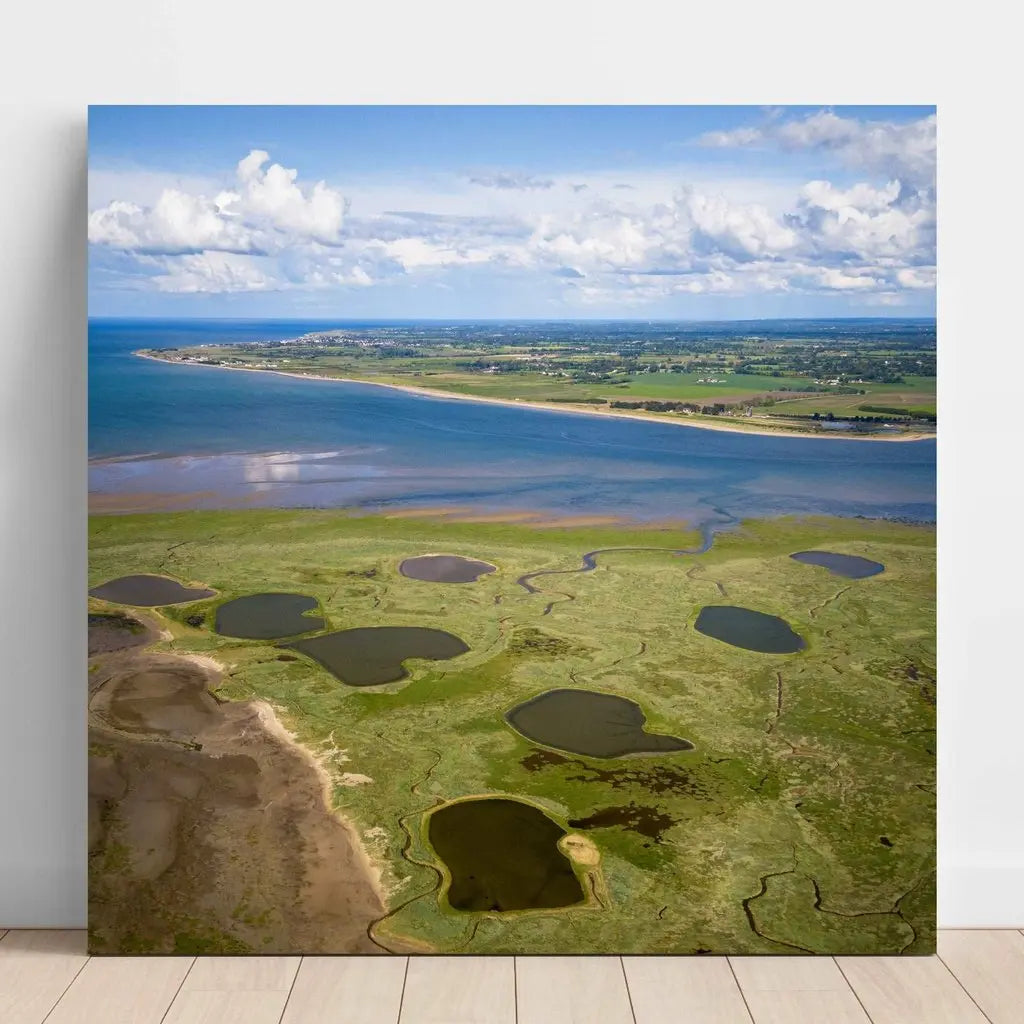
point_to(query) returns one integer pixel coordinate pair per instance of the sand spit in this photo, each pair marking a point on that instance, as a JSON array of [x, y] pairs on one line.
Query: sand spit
[[210, 827], [566, 407]]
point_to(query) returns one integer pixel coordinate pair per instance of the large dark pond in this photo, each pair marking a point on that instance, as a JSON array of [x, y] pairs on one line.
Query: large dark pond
[[753, 631], [268, 616], [503, 855], [590, 723], [148, 591], [445, 568], [373, 655], [851, 566]]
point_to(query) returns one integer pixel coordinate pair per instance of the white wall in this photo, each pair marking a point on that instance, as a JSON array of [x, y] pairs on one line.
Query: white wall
[[60, 56]]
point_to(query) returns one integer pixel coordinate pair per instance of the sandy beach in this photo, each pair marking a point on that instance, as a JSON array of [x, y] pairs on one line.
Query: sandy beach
[[580, 410]]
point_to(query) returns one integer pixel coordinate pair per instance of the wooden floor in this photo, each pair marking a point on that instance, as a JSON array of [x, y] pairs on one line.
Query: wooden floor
[[46, 976]]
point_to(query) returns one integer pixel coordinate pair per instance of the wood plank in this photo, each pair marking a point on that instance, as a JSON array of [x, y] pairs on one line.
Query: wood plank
[[571, 990], [234, 990], [36, 968], [459, 990], [990, 965], [895, 990], [699, 989], [242, 974], [796, 989], [122, 990], [356, 990], [206, 1006]]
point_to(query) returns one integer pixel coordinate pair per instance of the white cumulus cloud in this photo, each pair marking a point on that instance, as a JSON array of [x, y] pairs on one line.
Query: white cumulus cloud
[[266, 209], [901, 149]]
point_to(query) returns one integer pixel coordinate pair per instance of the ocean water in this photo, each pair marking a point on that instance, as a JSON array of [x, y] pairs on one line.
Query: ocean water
[[207, 437]]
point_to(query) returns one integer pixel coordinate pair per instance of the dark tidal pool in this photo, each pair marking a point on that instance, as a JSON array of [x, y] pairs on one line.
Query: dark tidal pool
[[373, 655], [753, 631], [116, 632], [445, 568], [148, 591], [268, 616], [853, 567], [590, 723], [503, 855]]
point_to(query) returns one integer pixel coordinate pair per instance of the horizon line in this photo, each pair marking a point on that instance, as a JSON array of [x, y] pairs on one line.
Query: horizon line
[[528, 319]]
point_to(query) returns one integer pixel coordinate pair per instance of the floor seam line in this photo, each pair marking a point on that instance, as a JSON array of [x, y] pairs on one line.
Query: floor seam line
[[515, 988], [849, 985], [629, 995], [65, 992], [964, 987], [401, 998], [291, 989], [743, 995], [177, 991]]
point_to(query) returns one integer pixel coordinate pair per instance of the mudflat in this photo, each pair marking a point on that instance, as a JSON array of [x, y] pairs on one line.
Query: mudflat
[[209, 828]]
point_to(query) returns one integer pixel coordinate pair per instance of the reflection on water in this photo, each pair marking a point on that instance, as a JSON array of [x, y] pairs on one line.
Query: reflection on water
[[220, 438]]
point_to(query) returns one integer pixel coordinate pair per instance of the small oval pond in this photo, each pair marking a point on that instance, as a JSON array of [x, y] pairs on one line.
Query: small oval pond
[[148, 591], [590, 723], [502, 855], [853, 567], [445, 568], [753, 631], [373, 655], [268, 616]]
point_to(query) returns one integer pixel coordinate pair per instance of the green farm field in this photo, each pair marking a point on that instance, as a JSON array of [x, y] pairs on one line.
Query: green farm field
[[802, 820]]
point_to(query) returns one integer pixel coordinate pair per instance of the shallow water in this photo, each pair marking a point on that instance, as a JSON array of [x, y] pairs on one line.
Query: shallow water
[[502, 855], [373, 655], [590, 723], [445, 568], [853, 567], [268, 616], [746, 628], [146, 591], [200, 437]]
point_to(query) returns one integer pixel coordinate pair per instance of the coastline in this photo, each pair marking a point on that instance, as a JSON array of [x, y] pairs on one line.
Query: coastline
[[558, 407], [332, 885]]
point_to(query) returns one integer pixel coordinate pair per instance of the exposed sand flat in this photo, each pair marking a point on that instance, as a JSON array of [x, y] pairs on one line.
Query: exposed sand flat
[[566, 407], [145, 501], [211, 829]]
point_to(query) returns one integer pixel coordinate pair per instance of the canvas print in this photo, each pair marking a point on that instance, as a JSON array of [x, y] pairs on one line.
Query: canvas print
[[512, 530]]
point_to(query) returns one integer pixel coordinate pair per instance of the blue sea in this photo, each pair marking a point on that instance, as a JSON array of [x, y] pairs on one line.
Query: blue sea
[[180, 436]]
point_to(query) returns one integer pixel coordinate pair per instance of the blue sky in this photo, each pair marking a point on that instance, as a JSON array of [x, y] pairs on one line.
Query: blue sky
[[688, 212]]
